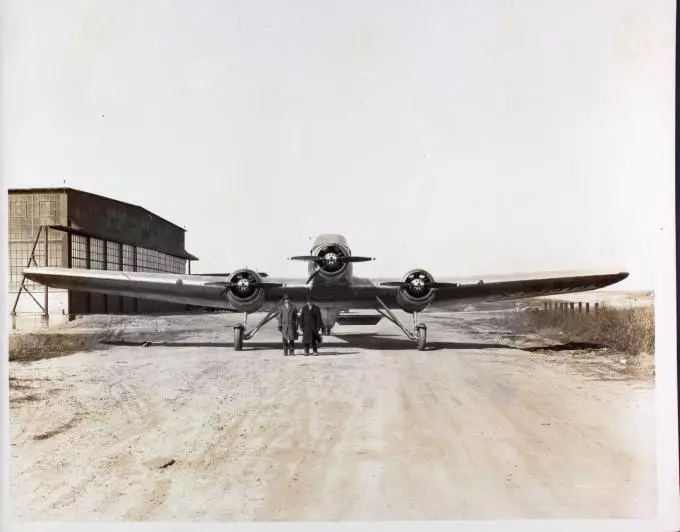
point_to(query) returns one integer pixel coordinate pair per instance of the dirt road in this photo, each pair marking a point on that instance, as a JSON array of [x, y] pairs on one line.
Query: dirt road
[[371, 429]]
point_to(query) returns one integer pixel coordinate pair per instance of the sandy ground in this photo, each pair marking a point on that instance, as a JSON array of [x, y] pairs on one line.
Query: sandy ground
[[372, 429]]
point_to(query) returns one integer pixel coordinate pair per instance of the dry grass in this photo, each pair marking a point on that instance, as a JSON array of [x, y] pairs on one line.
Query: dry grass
[[38, 346], [626, 330]]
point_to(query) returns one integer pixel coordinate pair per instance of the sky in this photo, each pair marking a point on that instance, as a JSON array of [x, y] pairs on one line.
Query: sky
[[466, 138]]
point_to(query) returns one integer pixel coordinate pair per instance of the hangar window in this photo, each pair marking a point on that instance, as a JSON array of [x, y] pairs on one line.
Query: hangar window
[[97, 259], [113, 256], [142, 260], [19, 254], [79, 258], [128, 258], [18, 207]]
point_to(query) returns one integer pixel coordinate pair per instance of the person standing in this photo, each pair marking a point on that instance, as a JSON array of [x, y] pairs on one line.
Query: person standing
[[287, 318], [310, 324]]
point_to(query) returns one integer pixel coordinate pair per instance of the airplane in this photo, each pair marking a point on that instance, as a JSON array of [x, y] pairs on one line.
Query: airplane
[[331, 284]]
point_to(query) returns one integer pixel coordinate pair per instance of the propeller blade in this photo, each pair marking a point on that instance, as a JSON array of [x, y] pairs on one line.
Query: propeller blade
[[254, 285], [309, 258], [316, 272], [353, 258], [434, 286]]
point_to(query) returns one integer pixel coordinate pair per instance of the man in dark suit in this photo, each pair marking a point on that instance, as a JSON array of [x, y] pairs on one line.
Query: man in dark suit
[[287, 318], [311, 323]]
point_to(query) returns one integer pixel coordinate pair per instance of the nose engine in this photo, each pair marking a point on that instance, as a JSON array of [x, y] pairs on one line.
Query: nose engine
[[332, 260]]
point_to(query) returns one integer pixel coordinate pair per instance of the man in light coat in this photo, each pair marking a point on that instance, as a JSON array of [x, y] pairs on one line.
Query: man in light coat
[[287, 318]]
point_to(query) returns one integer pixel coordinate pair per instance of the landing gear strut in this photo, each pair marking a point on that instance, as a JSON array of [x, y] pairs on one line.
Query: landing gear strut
[[239, 330], [419, 334]]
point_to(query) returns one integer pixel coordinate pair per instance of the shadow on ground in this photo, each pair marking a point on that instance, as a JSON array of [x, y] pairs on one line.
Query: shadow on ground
[[569, 346], [371, 342]]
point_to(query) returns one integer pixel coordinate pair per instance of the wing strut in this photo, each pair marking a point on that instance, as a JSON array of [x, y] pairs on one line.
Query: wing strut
[[269, 317], [388, 314]]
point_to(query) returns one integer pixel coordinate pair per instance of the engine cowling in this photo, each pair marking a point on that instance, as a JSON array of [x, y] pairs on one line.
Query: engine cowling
[[244, 291], [414, 295], [332, 264]]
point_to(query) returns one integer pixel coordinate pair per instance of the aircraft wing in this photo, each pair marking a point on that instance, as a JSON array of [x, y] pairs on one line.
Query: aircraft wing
[[209, 291], [198, 290], [449, 296]]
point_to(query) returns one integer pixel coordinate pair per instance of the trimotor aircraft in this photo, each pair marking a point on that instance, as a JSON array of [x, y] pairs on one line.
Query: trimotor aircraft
[[331, 284]]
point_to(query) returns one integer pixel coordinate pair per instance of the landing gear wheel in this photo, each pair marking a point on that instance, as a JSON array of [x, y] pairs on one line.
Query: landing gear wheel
[[238, 338], [421, 333]]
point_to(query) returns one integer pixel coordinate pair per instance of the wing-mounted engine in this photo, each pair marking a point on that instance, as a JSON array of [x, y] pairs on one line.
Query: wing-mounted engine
[[417, 290], [245, 290]]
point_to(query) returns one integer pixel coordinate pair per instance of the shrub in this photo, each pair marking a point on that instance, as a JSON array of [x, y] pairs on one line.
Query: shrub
[[628, 330]]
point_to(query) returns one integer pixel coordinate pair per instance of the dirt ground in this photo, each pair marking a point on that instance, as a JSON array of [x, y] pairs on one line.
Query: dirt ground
[[188, 429]]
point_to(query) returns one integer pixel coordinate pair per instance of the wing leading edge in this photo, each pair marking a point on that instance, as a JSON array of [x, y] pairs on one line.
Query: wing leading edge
[[208, 291], [520, 289]]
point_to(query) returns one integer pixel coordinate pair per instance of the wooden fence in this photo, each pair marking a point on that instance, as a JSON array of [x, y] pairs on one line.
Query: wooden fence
[[571, 306]]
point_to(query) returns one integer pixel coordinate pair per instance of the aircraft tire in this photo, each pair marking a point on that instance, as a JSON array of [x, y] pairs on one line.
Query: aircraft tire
[[238, 338], [421, 333]]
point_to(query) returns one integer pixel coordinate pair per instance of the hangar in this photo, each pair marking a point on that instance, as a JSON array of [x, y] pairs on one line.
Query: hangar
[[72, 228]]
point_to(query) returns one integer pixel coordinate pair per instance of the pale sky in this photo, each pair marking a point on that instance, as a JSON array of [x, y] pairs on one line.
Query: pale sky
[[464, 137]]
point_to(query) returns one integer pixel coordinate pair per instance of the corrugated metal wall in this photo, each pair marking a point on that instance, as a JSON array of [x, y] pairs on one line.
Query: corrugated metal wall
[[28, 210]]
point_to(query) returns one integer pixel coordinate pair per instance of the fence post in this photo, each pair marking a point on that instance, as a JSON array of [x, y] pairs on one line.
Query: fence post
[[46, 312], [597, 306], [571, 307], [580, 307]]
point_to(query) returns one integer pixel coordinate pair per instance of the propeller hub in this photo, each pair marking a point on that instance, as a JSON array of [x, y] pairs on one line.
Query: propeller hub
[[416, 283], [331, 258]]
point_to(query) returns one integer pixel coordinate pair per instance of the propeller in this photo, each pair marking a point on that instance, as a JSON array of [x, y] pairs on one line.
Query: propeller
[[418, 282], [244, 284], [415, 283], [331, 259], [225, 274], [338, 258]]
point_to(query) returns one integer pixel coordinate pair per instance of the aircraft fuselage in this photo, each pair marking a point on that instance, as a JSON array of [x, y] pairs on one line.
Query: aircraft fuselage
[[332, 273]]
